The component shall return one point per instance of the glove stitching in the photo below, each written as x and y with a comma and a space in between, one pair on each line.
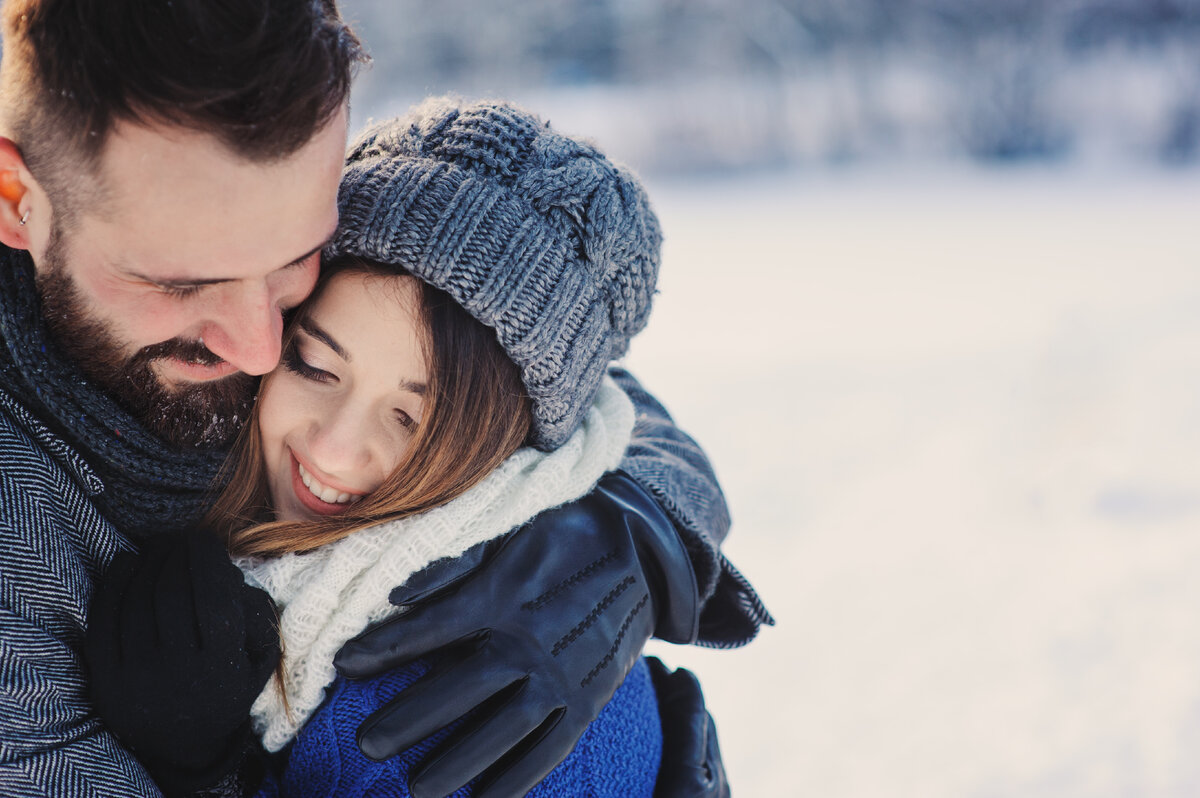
573, 635
612, 652
578, 576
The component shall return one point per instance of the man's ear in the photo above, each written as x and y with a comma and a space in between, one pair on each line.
16, 196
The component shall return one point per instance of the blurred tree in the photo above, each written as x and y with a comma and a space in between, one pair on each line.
771, 82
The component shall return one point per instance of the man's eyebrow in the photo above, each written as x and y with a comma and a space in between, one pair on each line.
188, 282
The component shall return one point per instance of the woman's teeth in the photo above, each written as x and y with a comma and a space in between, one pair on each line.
324, 492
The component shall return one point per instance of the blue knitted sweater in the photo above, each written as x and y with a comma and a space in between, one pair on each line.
617, 757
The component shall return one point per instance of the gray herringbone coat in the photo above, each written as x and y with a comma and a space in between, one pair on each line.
53, 543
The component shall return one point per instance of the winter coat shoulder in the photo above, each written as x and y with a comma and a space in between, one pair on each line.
53, 544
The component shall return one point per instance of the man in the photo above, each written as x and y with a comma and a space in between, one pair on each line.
168, 178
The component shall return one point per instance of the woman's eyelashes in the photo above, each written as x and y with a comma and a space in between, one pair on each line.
293, 362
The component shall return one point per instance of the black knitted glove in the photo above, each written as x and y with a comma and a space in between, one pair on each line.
178, 647
544, 625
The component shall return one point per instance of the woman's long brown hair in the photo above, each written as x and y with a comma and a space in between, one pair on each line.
476, 414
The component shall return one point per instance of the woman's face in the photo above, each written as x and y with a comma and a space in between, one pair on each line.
340, 410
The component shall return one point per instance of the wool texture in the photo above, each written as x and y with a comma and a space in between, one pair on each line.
618, 755
146, 486
536, 234
327, 596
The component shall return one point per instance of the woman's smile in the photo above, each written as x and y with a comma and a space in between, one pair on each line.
324, 492
315, 495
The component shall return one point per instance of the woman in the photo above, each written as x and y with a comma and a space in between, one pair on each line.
487, 271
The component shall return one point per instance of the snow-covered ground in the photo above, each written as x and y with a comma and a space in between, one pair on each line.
957, 417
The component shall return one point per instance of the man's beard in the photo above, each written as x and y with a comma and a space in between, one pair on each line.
207, 414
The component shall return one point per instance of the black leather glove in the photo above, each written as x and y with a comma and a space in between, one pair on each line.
691, 758
544, 625
178, 647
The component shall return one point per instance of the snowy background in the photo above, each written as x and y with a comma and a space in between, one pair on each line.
957, 417
931, 301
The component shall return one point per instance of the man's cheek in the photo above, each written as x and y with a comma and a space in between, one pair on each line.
137, 316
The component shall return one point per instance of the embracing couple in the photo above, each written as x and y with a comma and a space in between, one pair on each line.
423, 553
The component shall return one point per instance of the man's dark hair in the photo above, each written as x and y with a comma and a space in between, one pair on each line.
262, 76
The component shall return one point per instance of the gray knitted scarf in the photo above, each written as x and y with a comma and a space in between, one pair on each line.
148, 487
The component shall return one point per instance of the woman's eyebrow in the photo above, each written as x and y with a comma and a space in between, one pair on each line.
310, 327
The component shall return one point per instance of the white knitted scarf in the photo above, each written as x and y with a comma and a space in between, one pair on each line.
327, 596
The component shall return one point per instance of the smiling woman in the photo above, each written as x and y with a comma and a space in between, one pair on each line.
341, 414
390, 400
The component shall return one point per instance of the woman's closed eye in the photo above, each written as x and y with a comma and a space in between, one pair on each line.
293, 362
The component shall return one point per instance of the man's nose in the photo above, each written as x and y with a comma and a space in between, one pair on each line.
247, 330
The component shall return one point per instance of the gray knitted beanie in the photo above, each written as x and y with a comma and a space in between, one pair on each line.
536, 234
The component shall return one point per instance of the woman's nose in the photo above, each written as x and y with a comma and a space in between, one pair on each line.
339, 443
